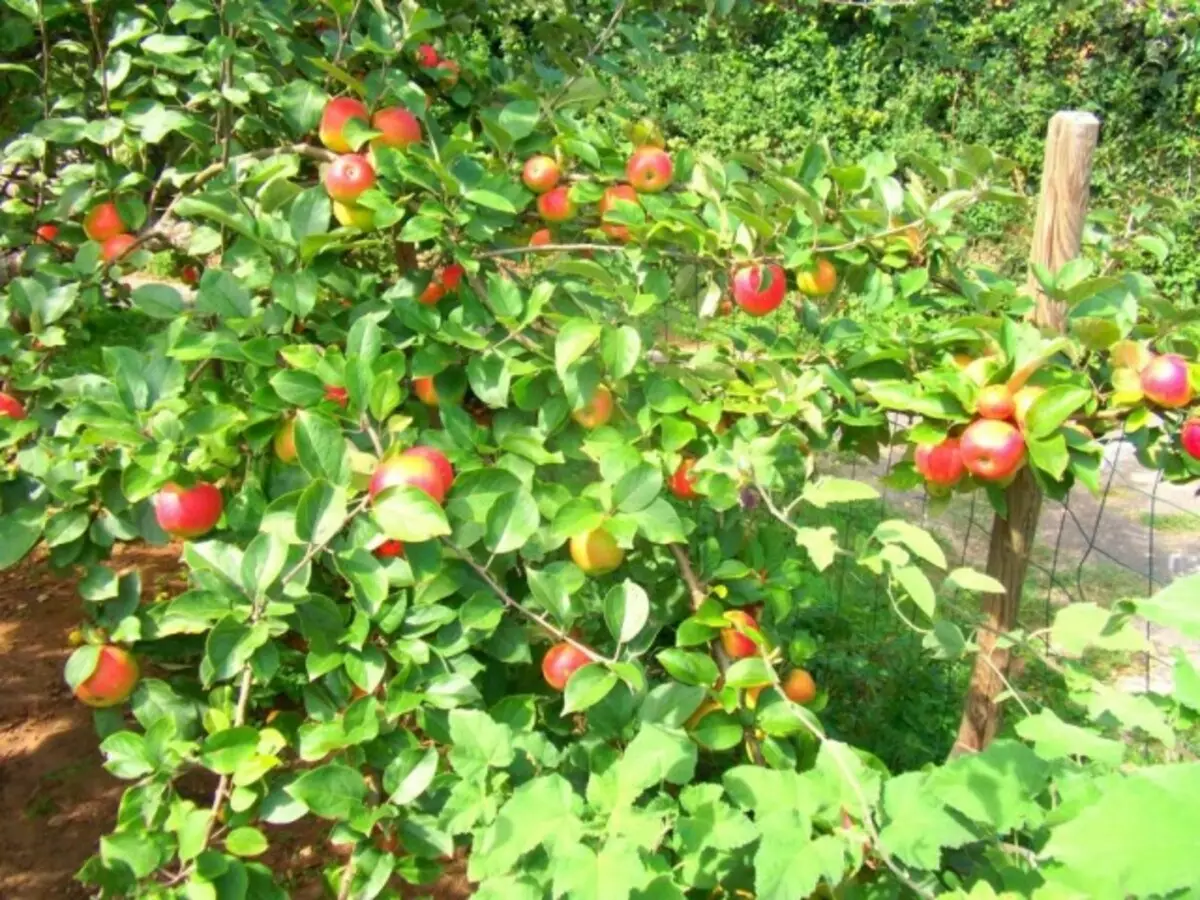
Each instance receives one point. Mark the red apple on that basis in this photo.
(992, 450)
(941, 464)
(447, 72)
(116, 247)
(451, 276)
(556, 205)
(1167, 382)
(390, 550)
(435, 457)
(560, 663)
(189, 275)
(596, 411)
(427, 56)
(103, 222)
(348, 176)
(337, 113)
(649, 170)
(188, 512)
(408, 470)
(400, 128)
(112, 681)
(737, 645)
(1189, 437)
(819, 280)
(995, 402)
(434, 291)
(540, 173)
(618, 192)
(337, 394)
(682, 484)
(541, 238)
(425, 390)
(10, 407)
(46, 234)
(759, 289)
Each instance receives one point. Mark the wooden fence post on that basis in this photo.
(1057, 235)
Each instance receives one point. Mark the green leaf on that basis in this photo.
(490, 200)
(718, 730)
(672, 704)
(626, 611)
(296, 292)
(824, 491)
(1049, 454)
(520, 118)
(659, 522)
(1053, 738)
(970, 580)
(321, 512)
(919, 826)
(1079, 626)
(321, 448)
(638, 488)
(263, 562)
(749, 672)
(309, 217)
(788, 863)
(575, 337)
(130, 849)
(81, 664)
(334, 791)
(159, 301)
(1052, 408)
(587, 686)
(620, 348)
(539, 810)
(224, 751)
(820, 544)
(998, 787)
(19, 531)
(655, 755)
(246, 841)
(918, 540)
(918, 587)
(512, 522)
(410, 773)
(1153, 245)
(478, 743)
(688, 667)
(409, 514)
(1173, 607)
(490, 379)
(298, 388)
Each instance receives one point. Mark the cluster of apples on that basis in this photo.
(992, 448)
(759, 289)
(104, 225)
(798, 685)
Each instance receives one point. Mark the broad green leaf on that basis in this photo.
(541, 809)
(638, 488)
(224, 751)
(918, 587)
(626, 611)
(688, 667)
(820, 544)
(1053, 738)
(19, 531)
(587, 686)
(918, 540)
(827, 490)
(575, 337)
(333, 791)
(321, 447)
(409, 514)
(409, 774)
(246, 841)
(970, 580)
(918, 826)
(1054, 407)
(478, 743)
(159, 301)
(512, 522)
(321, 512)
(620, 349)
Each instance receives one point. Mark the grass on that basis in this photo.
(1172, 523)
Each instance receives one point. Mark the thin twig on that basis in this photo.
(601, 39)
(550, 248)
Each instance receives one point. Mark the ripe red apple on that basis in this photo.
(400, 128)
(818, 281)
(116, 247)
(434, 291)
(560, 663)
(541, 238)
(941, 464)
(1167, 382)
(337, 394)
(650, 170)
(425, 390)
(285, 442)
(103, 222)
(618, 192)
(737, 645)
(112, 681)
(1189, 437)
(995, 402)
(447, 72)
(452, 276)
(682, 484)
(348, 176)
(10, 407)
(411, 471)
(427, 56)
(189, 274)
(759, 289)
(596, 552)
(596, 411)
(439, 462)
(45, 234)
(540, 174)
(336, 114)
(352, 216)
(556, 205)
(992, 450)
(799, 687)
(188, 512)
(390, 550)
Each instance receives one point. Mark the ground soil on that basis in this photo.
(56, 800)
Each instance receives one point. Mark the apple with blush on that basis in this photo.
(556, 205)
(188, 512)
(11, 407)
(1189, 438)
(112, 679)
(398, 128)
(561, 662)
(681, 483)
(1166, 381)
(995, 402)
(334, 117)
(540, 173)
(819, 280)
(597, 411)
(940, 464)
(618, 193)
(116, 247)
(348, 177)
(650, 170)
(737, 644)
(759, 289)
(102, 222)
(992, 450)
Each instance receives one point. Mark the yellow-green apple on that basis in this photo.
(188, 512)
(596, 552)
(995, 402)
(1189, 437)
(819, 280)
(447, 72)
(646, 133)
(560, 663)
(334, 117)
(116, 247)
(940, 464)
(556, 205)
(438, 460)
(102, 222)
(1022, 400)
(390, 550)
(348, 176)
(425, 390)
(111, 681)
(285, 442)
(10, 407)
(1167, 382)
(540, 173)
(427, 56)
(46, 234)
(541, 238)
(682, 484)
(597, 411)
(408, 470)
(353, 216)
(992, 450)
(397, 126)
(650, 170)
(759, 289)
(738, 645)
(612, 195)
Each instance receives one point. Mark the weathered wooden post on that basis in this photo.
(1057, 235)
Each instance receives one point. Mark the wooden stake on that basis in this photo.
(1057, 236)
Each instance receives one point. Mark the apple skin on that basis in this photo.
(995, 402)
(434, 291)
(45, 234)
(1189, 437)
(596, 552)
(560, 663)
(1022, 400)
(556, 205)
(750, 294)
(189, 275)
(188, 512)
(334, 117)
(799, 687)
(650, 170)
(112, 681)
(819, 281)
(736, 644)
(337, 394)
(413, 471)
(597, 411)
(103, 222)
(425, 390)
(452, 277)
(400, 128)
(352, 216)
(10, 407)
(390, 550)
(427, 56)
(348, 176)
(681, 484)
(1166, 381)
(541, 238)
(116, 247)
(992, 450)
(285, 442)
(941, 464)
(437, 459)
(447, 72)
(617, 192)
(540, 173)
